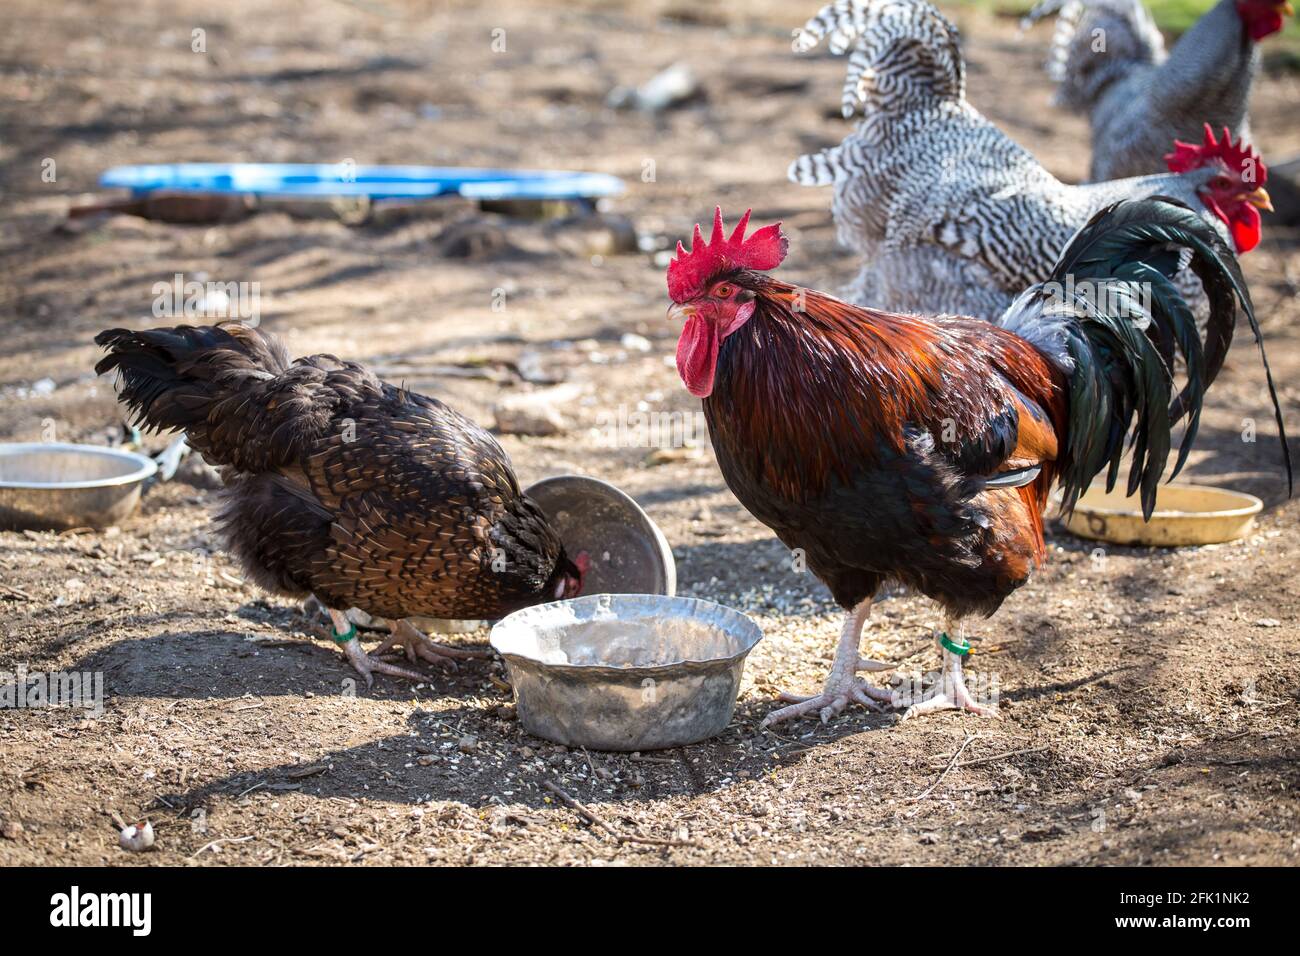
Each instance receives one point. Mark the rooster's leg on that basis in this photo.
(363, 663)
(949, 691)
(843, 686)
(418, 647)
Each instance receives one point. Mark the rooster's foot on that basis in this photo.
(831, 702)
(367, 665)
(417, 647)
(949, 693)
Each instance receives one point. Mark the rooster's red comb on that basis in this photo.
(689, 272)
(1239, 157)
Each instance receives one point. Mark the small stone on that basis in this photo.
(536, 413)
(1268, 622)
(197, 473)
(666, 456)
(11, 830)
(674, 86)
(136, 837)
(467, 744)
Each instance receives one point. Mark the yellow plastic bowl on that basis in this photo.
(1185, 515)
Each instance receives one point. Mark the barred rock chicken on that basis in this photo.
(341, 485)
(1138, 97)
(922, 450)
(947, 212)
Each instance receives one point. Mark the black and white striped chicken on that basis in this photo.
(1139, 97)
(947, 212)
(340, 485)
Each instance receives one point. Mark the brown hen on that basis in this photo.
(340, 485)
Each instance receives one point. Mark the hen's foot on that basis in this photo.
(831, 701)
(949, 692)
(417, 646)
(367, 665)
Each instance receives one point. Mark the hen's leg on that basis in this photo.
(949, 691)
(418, 647)
(345, 635)
(843, 685)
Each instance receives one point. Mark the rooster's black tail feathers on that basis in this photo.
(1113, 316)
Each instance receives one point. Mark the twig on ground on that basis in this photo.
(1002, 756)
(951, 763)
(597, 820)
(216, 843)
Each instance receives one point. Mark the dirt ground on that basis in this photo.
(1148, 698)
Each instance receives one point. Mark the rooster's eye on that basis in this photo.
(723, 291)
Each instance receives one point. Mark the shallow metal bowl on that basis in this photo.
(626, 671)
(628, 552)
(59, 486)
(1185, 514)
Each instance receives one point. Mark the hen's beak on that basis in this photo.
(680, 314)
(1260, 199)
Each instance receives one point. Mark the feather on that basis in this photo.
(1112, 319)
(339, 484)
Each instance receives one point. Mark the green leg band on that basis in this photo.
(960, 649)
(338, 638)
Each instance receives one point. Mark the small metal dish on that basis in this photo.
(60, 486)
(1185, 514)
(628, 552)
(626, 672)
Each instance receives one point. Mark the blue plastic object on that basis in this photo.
(325, 180)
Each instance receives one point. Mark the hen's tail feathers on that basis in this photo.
(818, 169)
(1074, 61)
(230, 388)
(905, 53)
(1113, 319)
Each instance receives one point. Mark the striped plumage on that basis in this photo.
(947, 212)
(1140, 98)
(339, 484)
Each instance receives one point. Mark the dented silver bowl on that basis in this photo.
(60, 486)
(626, 671)
(628, 552)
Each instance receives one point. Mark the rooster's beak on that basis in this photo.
(1288, 9)
(680, 314)
(1260, 200)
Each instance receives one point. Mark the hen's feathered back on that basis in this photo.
(1124, 31)
(1109, 62)
(230, 388)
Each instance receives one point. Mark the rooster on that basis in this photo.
(1138, 97)
(948, 213)
(921, 450)
(341, 485)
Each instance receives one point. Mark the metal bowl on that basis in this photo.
(629, 554)
(1185, 514)
(626, 672)
(59, 486)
